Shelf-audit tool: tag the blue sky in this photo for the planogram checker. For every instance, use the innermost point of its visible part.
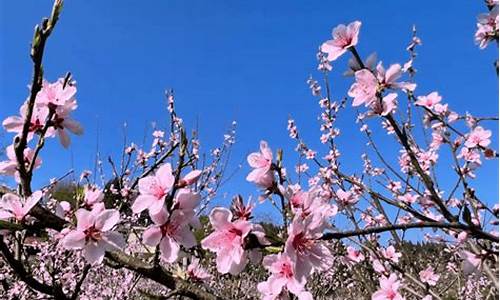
(234, 60)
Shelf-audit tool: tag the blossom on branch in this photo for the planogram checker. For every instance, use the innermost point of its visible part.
(344, 37)
(388, 289)
(13, 206)
(9, 167)
(227, 240)
(283, 279)
(153, 190)
(479, 137)
(170, 232)
(261, 162)
(93, 233)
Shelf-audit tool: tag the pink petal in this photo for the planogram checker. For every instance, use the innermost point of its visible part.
(169, 249)
(152, 236)
(142, 202)
(73, 126)
(187, 199)
(74, 240)
(243, 226)
(212, 241)
(165, 177)
(255, 160)
(256, 175)
(10, 201)
(93, 253)
(32, 201)
(332, 50)
(186, 237)
(223, 262)
(8, 167)
(156, 206)
(236, 268)
(84, 219)
(220, 217)
(266, 151)
(393, 73)
(106, 219)
(113, 241)
(13, 124)
(192, 177)
(68, 92)
(4, 215)
(147, 185)
(64, 138)
(305, 296)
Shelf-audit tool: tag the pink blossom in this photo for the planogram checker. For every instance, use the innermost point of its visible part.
(391, 254)
(93, 233)
(386, 106)
(12, 206)
(310, 154)
(283, 278)
(354, 254)
(437, 140)
(441, 109)
(471, 262)
(428, 276)
(408, 66)
(305, 247)
(408, 198)
(387, 78)
(394, 186)
(9, 167)
(470, 155)
(428, 101)
(378, 266)
(344, 37)
(301, 168)
(312, 205)
(170, 232)
(62, 209)
(294, 194)
(153, 190)
(55, 94)
(62, 123)
(37, 122)
(478, 137)
(426, 159)
(345, 198)
(52, 98)
(364, 89)
(261, 162)
(487, 28)
(186, 201)
(196, 272)
(190, 178)
(227, 241)
(388, 289)
(92, 195)
(159, 134)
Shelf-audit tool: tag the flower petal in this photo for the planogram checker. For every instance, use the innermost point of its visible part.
(74, 240)
(152, 236)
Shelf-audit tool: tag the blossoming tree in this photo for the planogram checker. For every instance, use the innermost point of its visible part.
(145, 234)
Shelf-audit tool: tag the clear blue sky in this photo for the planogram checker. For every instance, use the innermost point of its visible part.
(233, 60)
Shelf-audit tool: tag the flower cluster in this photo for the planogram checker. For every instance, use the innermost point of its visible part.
(487, 26)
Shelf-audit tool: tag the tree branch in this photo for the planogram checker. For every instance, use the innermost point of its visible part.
(380, 229)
